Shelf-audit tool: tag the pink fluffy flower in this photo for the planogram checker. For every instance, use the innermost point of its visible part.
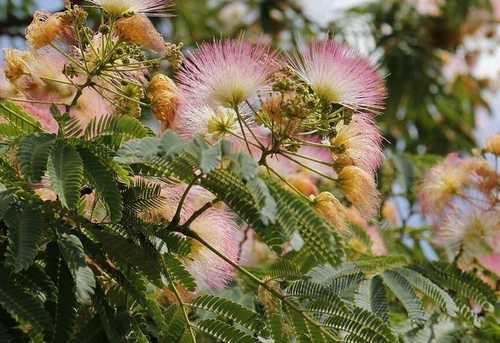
(359, 144)
(89, 106)
(41, 112)
(456, 184)
(42, 76)
(226, 73)
(337, 74)
(475, 235)
(217, 226)
(496, 8)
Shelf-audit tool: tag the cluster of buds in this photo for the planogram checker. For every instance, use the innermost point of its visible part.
(87, 74)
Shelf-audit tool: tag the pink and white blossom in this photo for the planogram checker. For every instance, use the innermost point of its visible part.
(118, 8)
(358, 143)
(337, 74)
(226, 73)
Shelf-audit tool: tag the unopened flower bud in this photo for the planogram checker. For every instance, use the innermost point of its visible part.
(390, 213)
(303, 183)
(332, 210)
(174, 55)
(104, 29)
(163, 95)
(139, 30)
(360, 189)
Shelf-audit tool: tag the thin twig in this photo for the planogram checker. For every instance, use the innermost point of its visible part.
(264, 285)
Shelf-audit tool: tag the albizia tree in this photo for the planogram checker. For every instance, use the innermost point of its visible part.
(249, 216)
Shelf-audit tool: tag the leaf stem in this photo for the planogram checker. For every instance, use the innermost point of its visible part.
(182, 305)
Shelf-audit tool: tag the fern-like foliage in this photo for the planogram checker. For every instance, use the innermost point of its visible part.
(223, 332)
(142, 196)
(295, 213)
(275, 324)
(464, 285)
(430, 289)
(406, 294)
(177, 273)
(123, 250)
(63, 307)
(113, 130)
(172, 156)
(361, 325)
(25, 226)
(368, 280)
(231, 311)
(73, 254)
(68, 276)
(20, 121)
(33, 155)
(175, 327)
(104, 183)
(371, 296)
(314, 291)
(65, 171)
(21, 304)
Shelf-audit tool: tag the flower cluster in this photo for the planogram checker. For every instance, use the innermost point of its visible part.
(460, 196)
(308, 118)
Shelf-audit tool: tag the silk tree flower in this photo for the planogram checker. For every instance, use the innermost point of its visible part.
(360, 189)
(38, 75)
(118, 8)
(47, 28)
(338, 75)
(390, 213)
(217, 226)
(215, 123)
(33, 77)
(456, 183)
(442, 183)
(42, 113)
(358, 143)
(226, 73)
(7, 89)
(205, 120)
(475, 235)
(90, 105)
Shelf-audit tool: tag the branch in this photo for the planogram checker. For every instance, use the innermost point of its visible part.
(264, 285)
